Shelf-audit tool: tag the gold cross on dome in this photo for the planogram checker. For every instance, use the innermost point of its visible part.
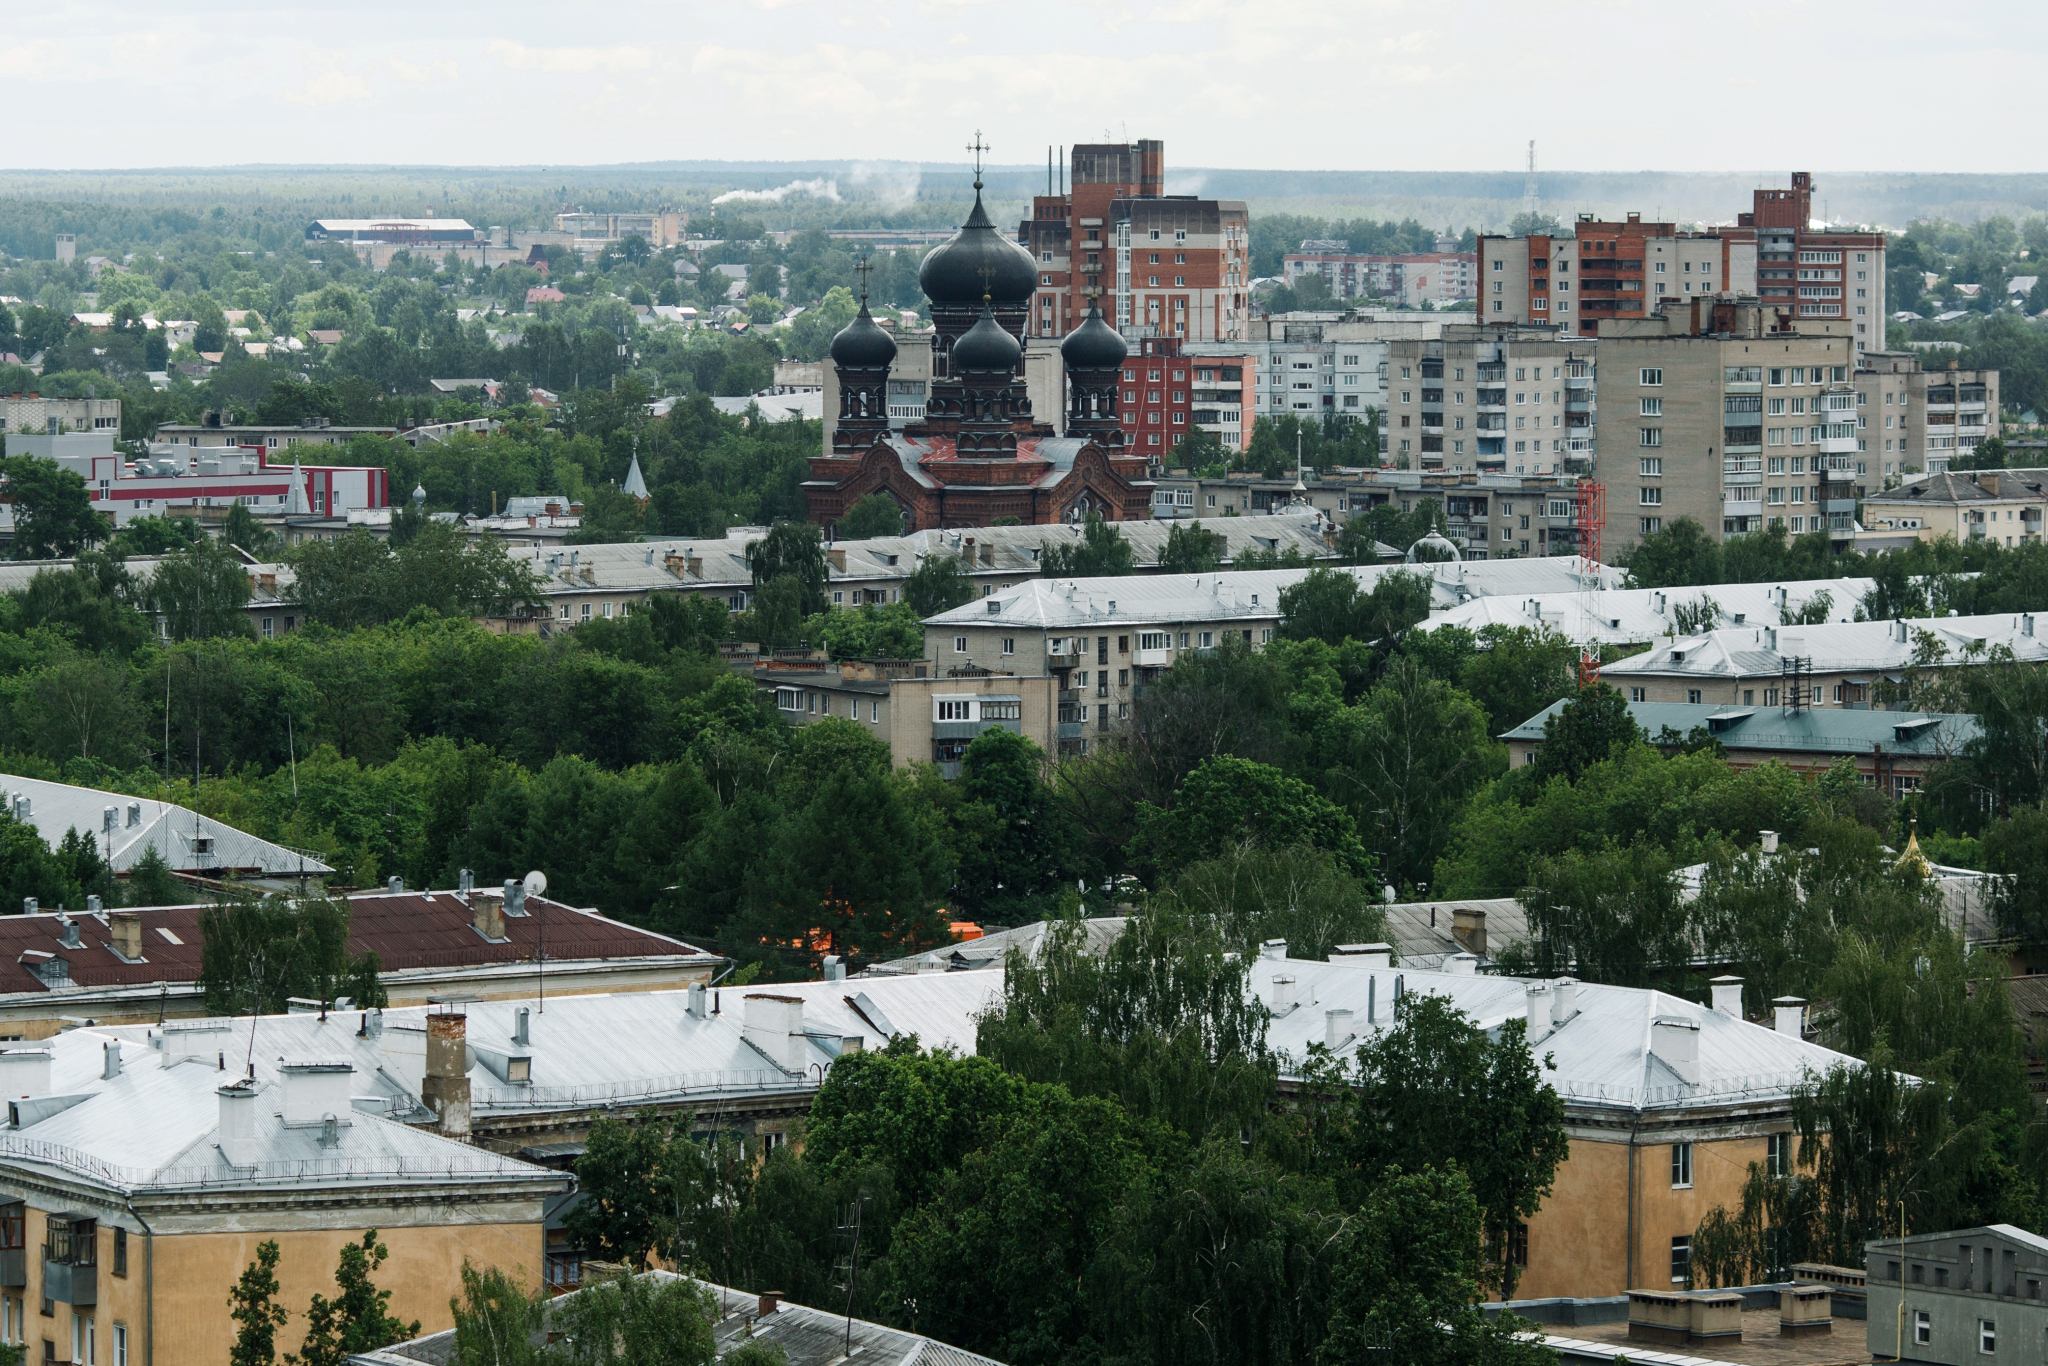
(987, 274)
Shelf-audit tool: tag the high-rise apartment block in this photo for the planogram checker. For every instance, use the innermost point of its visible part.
(1517, 399)
(1172, 266)
(1622, 271)
(1915, 420)
(1731, 413)
(1412, 279)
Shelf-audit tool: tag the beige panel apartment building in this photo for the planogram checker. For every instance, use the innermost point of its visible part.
(2002, 506)
(1502, 400)
(1916, 420)
(1729, 413)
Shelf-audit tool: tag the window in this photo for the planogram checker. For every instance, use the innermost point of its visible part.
(1652, 465)
(1923, 1325)
(1987, 1337)
(956, 711)
(1009, 645)
(1681, 1165)
(1777, 1147)
(1652, 407)
(1681, 1260)
(1652, 376)
(1650, 436)
(1692, 695)
(120, 1252)
(120, 1344)
(1650, 497)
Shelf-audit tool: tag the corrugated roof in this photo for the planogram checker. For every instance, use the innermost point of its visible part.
(1816, 730)
(1420, 931)
(1252, 595)
(1630, 616)
(406, 930)
(1099, 932)
(186, 840)
(1750, 652)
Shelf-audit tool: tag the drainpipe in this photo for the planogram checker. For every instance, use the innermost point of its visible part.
(148, 1288)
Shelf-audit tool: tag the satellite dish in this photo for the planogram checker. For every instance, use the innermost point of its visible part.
(536, 882)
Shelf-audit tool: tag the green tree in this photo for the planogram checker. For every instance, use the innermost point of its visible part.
(242, 529)
(1191, 549)
(875, 515)
(1227, 801)
(200, 593)
(1588, 729)
(1412, 1276)
(2016, 847)
(1517, 672)
(636, 1320)
(1101, 552)
(251, 1307)
(1436, 1088)
(938, 584)
(1293, 892)
(1011, 867)
(53, 512)
(150, 882)
(496, 1320)
(356, 1320)
(796, 549)
(260, 952)
(1682, 555)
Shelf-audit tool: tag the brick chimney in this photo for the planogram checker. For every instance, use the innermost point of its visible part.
(126, 929)
(1468, 928)
(490, 917)
(445, 1088)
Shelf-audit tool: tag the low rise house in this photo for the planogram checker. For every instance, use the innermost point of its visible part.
(1634, 616)
(1965, 1296)
(148, 1174)
(58, 968)
(1836, 665)
(2002, 506)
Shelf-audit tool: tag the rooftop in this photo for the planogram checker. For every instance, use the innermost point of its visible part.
(1631, 616)
(1250, 594)
(1814, 730)
(1876, 646)
(126, 826)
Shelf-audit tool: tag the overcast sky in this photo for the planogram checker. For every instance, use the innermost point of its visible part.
(1602, 85)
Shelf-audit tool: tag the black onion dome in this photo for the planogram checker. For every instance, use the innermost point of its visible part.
(863, 344)
(1094, 345)
(986, 346)
(977, 263)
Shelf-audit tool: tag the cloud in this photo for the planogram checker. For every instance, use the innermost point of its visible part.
(30, 60)
(572, 61)
(413, 73)
(816, 189)
(894, 184)
(329, 87)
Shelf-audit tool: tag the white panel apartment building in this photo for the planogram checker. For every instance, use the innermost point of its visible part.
(1312, 364)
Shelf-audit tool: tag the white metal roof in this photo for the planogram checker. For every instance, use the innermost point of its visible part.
(1630, 616)
(1747, 652)
(187, 841)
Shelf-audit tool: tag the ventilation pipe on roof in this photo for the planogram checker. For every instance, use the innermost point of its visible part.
(1677, 1043)
(522, 1027)
(1282, 1002)
(1728, 996)
(1462, 964)
(1400, 990)
(515, 897)
(237, 1135)
(70, 938)
(1372, 1000)
(1537, 998)
(93, 905)
(835, 968)
(1790, 1016)
(1337, 1029)
(1273, 949)
(1767, 841)
(395, 885)
(1564, 1001)
(465, 881)
(697, 1007)
(29, 905)
(111, 1066)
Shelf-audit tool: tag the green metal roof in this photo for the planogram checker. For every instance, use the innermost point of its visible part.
(1819, 730)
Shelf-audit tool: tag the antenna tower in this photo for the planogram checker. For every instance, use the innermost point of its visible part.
(1529, 185)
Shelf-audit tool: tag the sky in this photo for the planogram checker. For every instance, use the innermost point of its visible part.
(1601, 85)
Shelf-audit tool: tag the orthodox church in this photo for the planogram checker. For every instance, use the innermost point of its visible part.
(979, 454)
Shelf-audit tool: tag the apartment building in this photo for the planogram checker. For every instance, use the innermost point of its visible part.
(1832, 665)
(1492, 399)
(1738, 414)
(1413, 280)
(175, 476)
(2002, 506)
(32, 413)
(1956, 1297)
(1608, 271)
(1309, 364)
(1923, 418)
(923, 713)
(1164, 265)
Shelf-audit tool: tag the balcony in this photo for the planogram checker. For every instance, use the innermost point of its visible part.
(1154, 659)
(1069, 696)
(1071, 730)
(1491, 422)
(13, 1267)
(1843, 505)
(77, 1286)
(1492, 398)
(1743, 507)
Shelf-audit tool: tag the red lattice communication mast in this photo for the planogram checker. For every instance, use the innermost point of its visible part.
(1590, 506)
